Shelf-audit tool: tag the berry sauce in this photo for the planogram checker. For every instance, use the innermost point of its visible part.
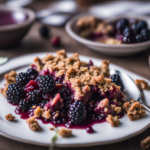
(90, 130)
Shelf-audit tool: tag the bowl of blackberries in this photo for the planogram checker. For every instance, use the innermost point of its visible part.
(121, 35)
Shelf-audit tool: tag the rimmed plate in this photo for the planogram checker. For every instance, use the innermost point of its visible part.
(117, 50)
(104, 133)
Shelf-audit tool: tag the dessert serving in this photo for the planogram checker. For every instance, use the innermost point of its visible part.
(121, 31)
(66, 91)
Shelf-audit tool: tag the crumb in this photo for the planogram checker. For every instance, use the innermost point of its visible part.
(126, 106)
(33, 106)
(133, 101)
(117, 110)
(51, 128)
(114, 121)
(46, 114)
(54, 126)
(33, 124)
(9, 117)
(145, 143)
(65, 132)
(4, 90)
(135, 111)
(142, 84)
(38, 111)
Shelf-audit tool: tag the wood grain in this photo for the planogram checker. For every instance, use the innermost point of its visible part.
(33, 43)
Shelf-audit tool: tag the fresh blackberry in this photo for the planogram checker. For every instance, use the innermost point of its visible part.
(146, 34)
(24, 104)
(42, 103)
(44, 31)
(34, 96)
(135, 29)
(127, 30)
(77, 112)
(116, 79)
(121, 24)
(141, 25)
(46, 84)
(127, 39)
(22, 79)
(139, 38)
(14, 93)
(32, 73)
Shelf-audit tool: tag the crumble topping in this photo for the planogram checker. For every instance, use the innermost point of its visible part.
(51, 128)
(37, 112)
(142, 84)
(135, 111)
(103, 103)
(46, 114)
(114, 121)
(65, 132)
(33, 124)
(126, 106)
(117, 110)
(145, 143)
(9, 117)
(10, 77)
(109, 40)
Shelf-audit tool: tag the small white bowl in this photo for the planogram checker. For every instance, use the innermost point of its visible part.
(117, 50)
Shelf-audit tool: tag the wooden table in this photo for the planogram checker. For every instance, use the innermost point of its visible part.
(33, 43)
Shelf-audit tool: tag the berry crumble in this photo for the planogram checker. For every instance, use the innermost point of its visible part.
(65, 91)
(121, 31)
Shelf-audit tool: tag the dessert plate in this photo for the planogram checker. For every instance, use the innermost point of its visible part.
(104, 133)
(116, 50)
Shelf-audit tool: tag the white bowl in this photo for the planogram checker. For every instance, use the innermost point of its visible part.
(117, 50)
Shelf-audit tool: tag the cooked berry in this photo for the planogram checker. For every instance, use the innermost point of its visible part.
(77, 112)
(44, 31)
(139, 38)
(42, 103)
(55, 41)
(116, 79)
(135, 29)
(24, 104)
(14, 93)
(121, 24)
(34, 96)
(141, 25)
(32, 73)
(127, 39)
(127, 30)
(22, 79)
(46, 84)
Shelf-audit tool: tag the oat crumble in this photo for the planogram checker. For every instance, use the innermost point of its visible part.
(65, 132)
(114, 121)
(9, 117)
(142, 84)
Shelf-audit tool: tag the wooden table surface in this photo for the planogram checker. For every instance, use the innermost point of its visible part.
(33, 43)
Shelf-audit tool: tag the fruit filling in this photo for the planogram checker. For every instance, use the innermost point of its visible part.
(67, 92)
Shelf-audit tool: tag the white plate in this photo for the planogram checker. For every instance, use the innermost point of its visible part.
(118, 50)
(105, 134)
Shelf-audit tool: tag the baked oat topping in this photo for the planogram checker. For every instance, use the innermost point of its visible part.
(142, 84)
(145, 143)
(46, 114)
(126, 106)
(37, 112)
(33, 124)
(65, 132)
(135, 111)
(51, 128)
(9, 117)
(114, 121)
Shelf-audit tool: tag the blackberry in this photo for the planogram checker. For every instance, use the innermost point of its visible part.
(14, 93)
(24, 104)
(77, 112)
(127, 39)
(121, 24)
(139, 38)
(22, 79)
(42, 103)
(32, 73)
(116, 79)
(34, 96)
(127, 30)
(141, 25)
(44, 31)
(135, 29)
(145, 33)
(46, 84)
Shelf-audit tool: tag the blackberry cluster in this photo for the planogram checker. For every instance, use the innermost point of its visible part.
(77, 112)
(46, 84)
(32, 73)
(133, 33)
(24, 104)
(22, 79)
(14, 93)
(34, 96)
(116, 79)
(42, 103)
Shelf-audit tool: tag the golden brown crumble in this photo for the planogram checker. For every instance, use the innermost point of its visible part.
(33, 124)
(126, 106)
(10, 77)
(37, 112)
(142, 84)
(109, 40)
(135, 111)
(103, 103)
(133, 101)
(46, 114)
(114, 121)
(145, 143)
(65, 132)
(9, 117)
(117, 110)
(51, 128)
(33, 106)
